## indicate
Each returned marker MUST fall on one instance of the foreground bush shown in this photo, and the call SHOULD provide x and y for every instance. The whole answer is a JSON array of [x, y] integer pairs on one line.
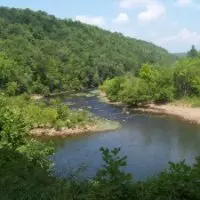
[[22, 178]]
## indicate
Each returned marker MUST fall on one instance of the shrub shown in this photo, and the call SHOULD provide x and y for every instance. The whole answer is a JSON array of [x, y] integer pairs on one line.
[[135, 91]]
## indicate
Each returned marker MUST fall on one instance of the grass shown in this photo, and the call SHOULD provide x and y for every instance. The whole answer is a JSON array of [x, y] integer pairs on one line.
[[193, 102], [54, 114]]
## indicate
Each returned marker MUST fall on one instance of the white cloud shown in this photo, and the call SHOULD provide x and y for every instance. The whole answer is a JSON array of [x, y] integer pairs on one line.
[[121, 18], [132, 3], [184, 2], [184, 36], [93, 20], [188, 3], [154, 10]]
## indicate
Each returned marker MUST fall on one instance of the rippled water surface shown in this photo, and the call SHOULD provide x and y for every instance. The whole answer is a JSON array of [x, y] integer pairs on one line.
[[149, 141]]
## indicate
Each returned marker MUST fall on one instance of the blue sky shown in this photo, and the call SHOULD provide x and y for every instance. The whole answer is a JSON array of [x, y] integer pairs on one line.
[[172, 24]]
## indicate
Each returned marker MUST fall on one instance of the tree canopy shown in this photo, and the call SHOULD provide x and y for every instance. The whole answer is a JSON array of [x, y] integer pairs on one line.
[[40, 53], [192, 53], [156, 83]]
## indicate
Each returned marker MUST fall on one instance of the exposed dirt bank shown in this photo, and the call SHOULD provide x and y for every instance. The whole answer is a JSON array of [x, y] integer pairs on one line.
[[187, 113], [36, 97]]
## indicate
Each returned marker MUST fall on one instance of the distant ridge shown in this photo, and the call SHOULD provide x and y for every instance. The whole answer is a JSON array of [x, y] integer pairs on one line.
[[180, 54]]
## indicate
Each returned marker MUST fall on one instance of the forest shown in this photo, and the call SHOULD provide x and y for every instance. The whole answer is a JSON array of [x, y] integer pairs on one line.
[[157, 83], [41, 54]]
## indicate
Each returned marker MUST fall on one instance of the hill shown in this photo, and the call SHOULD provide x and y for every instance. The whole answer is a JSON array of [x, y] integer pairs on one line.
[[180, 55], [40, 53]]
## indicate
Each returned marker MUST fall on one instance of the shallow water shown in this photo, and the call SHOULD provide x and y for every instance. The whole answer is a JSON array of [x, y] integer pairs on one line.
[[149, 141]]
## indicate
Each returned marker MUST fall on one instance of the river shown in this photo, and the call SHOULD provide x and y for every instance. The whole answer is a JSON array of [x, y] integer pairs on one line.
[[149, 141]]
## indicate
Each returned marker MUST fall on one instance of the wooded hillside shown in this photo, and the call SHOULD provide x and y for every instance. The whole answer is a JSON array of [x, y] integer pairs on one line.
[[40, 53]]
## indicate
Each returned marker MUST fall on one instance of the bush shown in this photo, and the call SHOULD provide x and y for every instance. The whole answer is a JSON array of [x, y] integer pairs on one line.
[[38, 116], [12, 88], [112, 88], [187, 77], [63, 111], [13, 128], [135, 91], [179, 181]]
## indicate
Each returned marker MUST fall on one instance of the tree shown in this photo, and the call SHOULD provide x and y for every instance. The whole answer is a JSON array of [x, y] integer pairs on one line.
[[11, 88], [135, 91], [186, 77], [193, 52]]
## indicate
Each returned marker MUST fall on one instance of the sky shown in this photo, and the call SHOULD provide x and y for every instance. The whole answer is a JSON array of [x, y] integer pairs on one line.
[[172, 24]]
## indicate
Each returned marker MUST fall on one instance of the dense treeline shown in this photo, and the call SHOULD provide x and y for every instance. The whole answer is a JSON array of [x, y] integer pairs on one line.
[[40, 53], [157, 84], [26, 171]]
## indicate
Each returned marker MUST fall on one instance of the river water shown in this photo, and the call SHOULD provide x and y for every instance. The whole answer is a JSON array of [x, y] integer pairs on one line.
[[149, 141]]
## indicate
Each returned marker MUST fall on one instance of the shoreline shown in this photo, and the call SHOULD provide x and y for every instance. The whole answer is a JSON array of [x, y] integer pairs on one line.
[[189, 114], [102, 96], [185, 112], [100, 126], [36, 97]]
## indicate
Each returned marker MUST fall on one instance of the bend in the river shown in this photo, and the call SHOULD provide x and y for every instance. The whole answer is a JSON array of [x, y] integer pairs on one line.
[[149, 141]]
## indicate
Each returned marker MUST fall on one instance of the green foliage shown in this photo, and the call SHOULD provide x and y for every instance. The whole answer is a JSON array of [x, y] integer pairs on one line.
[[22, 178], [164, 87], [11, 88], [25, 173], [179, 181], [187, 77], [156, 83], [134, 91], [13, 129], [39, 116], [191, 101], [63, 111], [112, 87], [44, 115], [24, 163], [43, 54], [193, 52], [111, 171], [111, 182]]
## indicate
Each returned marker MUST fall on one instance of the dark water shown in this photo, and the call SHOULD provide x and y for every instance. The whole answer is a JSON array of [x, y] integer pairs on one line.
[[149, 141]]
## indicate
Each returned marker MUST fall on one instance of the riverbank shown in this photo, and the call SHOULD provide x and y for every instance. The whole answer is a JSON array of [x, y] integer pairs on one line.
[[102, 96], [72, 93], [36, 97], [101, 125], [75, 122], [190, 114], [185, 111]]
